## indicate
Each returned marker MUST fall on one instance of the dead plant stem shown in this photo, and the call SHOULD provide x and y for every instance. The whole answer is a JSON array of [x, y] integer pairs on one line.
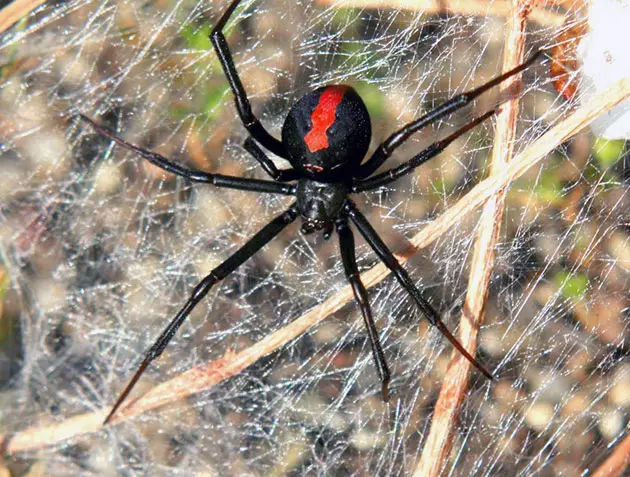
[[439, 441], [16, 10], [481, 8]]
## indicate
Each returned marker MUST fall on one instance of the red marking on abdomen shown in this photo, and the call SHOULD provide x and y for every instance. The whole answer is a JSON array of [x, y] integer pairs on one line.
[[323, 117]]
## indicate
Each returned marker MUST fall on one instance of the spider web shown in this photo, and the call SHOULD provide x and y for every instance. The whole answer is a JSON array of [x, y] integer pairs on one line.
[[100, 249]]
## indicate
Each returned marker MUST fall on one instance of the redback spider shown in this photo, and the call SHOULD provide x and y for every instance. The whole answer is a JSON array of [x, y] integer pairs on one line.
[[325, 138]]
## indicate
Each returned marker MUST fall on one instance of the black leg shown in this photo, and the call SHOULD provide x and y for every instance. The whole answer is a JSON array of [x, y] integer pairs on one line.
[[346, 244], [385, 150], [267, 164], [195, 175], [251, 123], [405, 280], [430, 152], [257, 242]]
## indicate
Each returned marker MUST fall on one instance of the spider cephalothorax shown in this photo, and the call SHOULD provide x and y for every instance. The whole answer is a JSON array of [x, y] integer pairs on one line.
[[319, 203], [325, 138]]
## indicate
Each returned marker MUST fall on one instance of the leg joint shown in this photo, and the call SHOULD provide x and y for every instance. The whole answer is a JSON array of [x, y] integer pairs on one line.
[[206, 283]]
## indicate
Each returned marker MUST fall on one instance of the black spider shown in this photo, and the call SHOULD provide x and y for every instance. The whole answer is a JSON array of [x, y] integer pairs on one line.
[[325, 137]]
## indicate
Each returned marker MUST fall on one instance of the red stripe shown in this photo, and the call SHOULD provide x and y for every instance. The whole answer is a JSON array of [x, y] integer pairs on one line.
[[323, 117]]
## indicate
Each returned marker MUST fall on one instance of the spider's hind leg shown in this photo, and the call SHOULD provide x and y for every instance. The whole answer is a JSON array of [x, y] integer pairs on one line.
[[195, 175], [244, 108], [398, 138], [280, 175], [430, 152], [153, 157]]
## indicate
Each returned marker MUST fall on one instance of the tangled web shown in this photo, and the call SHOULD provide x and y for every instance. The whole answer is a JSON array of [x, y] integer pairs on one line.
[[99, 250]]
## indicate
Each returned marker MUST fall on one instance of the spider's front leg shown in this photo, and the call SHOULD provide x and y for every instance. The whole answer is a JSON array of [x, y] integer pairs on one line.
[[257, 242], [244, 108], [387, 257], [346, 245]]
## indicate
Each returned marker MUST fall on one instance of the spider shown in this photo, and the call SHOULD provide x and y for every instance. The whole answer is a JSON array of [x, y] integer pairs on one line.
[[325, 138]]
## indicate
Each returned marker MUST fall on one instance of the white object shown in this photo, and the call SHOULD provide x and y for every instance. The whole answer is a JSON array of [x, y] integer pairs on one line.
[[605, 55]]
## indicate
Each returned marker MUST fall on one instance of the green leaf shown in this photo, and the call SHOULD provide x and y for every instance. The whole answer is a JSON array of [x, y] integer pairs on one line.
[[213, 100], [197, 38], [607, 152], [373, 99], [573, 286], [549, 188]]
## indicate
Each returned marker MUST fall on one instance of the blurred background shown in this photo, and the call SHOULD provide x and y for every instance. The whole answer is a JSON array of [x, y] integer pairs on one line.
[[99, 249]]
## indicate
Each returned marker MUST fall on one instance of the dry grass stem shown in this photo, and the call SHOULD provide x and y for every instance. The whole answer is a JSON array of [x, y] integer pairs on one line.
[[14, 11], [207, 375], [438, 444], [480, 8], [618, 461]]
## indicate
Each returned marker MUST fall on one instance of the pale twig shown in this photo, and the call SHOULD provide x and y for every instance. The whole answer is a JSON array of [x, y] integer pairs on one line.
[[618, 461], [480, 8], [205, 376], [438, 444], [16, 10]]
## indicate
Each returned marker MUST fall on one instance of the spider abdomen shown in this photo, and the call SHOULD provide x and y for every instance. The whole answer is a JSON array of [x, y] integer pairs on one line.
[[327, 133], [319, 203]]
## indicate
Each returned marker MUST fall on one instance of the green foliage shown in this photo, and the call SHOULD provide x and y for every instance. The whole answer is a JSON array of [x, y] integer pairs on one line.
[[573, 286], [549, 187], [607, 152], [373, 99], [209, 94], [197, 38]]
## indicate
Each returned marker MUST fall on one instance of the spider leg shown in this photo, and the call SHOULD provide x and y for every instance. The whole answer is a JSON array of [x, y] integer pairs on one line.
[[387, 257], [280, 175], [195, 175], [385, 150], [346, 245], [244, 108], [430, 152], [252, 246]]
